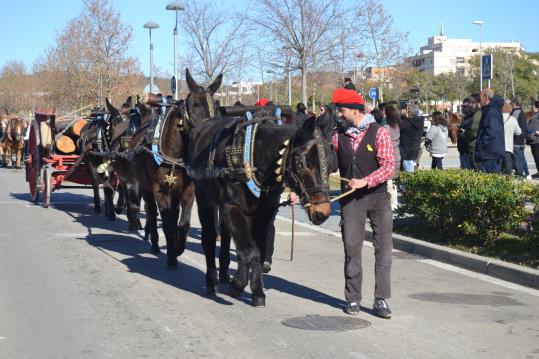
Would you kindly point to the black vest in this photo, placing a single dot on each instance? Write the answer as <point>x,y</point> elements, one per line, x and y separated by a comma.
<point>359,163</point>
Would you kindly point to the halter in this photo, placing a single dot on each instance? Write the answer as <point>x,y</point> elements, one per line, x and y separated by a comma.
<point>299,170</point>
<point>209,99</point>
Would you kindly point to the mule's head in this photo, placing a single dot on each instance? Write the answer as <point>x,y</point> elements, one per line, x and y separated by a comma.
<point>15,129</point>
<point>308,169</point>
<point>199,102</point>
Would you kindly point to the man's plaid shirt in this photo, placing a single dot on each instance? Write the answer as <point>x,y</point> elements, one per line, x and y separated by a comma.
<point>384,153</point>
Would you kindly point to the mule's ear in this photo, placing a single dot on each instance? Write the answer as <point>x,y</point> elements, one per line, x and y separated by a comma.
<point>216,84</point>
<point>112,110</point>
<point>306,131</point>
<point>191,84</point>
<point>128,102</point>
<point>326,122</point>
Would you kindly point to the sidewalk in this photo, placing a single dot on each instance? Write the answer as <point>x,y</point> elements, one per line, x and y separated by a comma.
<point>492,267</point>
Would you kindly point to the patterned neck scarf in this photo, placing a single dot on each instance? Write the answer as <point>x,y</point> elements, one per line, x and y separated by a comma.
<point>354,131</point>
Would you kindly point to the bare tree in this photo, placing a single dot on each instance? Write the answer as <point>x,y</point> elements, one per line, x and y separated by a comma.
<point>382,44</point>
<point>89,60</point>
<point>216,35</point>
<point>303,27</point>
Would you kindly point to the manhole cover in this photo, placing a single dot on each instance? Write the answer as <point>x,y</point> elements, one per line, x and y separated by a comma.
<point>463,298</point>
<point>326,323</point>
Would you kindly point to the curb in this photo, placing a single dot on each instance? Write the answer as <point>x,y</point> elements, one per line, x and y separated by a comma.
<point>492,267</point>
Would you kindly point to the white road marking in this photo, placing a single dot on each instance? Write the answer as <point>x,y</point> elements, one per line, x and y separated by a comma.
<point>481,276</point>
<point>296,233</point>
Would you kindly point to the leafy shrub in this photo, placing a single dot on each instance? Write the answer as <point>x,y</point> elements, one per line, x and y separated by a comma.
<point>466,205</point>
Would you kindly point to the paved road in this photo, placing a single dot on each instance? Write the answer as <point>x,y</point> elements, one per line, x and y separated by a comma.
<point>74,285</point>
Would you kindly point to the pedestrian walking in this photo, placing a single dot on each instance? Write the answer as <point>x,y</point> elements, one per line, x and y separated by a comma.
<point>392,126</point>
<point>463,141</point>
<point>411,128</point>
<point>533,135</point>
<point>365,155</point>
<point>511,130</point>
<point>348,84</point>
<point>436,139</point>
<point>520,163</point>
<point>490,144</point>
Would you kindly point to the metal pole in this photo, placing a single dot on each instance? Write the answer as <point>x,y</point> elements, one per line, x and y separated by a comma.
<point>151,61</point>
<point>480,57</point>
<point>175,67</point>
<point>292,241</point>
<point>289,83</point>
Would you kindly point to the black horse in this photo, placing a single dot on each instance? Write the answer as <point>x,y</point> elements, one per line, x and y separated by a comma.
<point>300,158</point>
<point>158,163</point>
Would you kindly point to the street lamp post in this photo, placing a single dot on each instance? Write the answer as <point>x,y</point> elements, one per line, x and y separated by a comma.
<point>480,24</point>
<point>175,6</point>
<point>271,84</point>
<point>151,25</point>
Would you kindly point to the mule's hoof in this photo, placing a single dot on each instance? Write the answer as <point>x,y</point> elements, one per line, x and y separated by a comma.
<point>212,291</point>
<point>224,279</point>
<point>266,267</point>
<point>233,291</point>
<point>172,265</point>
<point>118,210</point>
<point>155,250</point>
<point>259,302</point>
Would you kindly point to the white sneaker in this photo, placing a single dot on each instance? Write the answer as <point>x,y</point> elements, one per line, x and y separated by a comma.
<point>528,177</point>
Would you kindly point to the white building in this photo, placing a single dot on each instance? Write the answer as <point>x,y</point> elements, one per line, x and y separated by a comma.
<point>444,55</point>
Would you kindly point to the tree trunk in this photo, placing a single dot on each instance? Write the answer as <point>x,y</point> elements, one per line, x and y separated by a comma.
<point>304,81</point>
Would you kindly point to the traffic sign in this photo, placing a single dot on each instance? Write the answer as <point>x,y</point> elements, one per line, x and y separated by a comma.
<point>487,67</point>
<point>173,84</point>
<point>373,93</point>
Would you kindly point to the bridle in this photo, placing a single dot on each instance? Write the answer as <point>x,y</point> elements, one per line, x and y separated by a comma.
<point>298,170</point>
<point>209,99</point>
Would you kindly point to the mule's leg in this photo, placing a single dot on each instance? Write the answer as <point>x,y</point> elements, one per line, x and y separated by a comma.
<point>132,196</point>
<point>186,203</point>
<point>169,208</point>
<point>109,200</point>
<point>9,156</point>
<point>150,228</point>
<point>122,199</point>
<point>94,176</point>
<point>239,226</point>
<point>206,215</point>
<point>224,254</point>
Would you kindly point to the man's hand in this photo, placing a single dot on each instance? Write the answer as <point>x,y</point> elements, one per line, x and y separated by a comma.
<point>357,183</point>
<point>293,198</point>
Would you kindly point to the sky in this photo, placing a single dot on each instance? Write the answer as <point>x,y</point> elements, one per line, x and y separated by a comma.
<point>30,26</point>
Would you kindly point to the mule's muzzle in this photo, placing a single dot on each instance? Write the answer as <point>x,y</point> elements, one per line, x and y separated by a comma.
<point>318,213</point>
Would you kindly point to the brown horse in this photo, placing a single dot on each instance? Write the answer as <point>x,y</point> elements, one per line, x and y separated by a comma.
<point>14,141</point>
<point>453,123</point>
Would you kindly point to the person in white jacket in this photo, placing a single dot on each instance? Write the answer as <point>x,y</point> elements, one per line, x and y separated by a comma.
<point>436,139</point>
<point>510,129</point>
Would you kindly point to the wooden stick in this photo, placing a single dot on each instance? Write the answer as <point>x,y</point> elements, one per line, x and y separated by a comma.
<point>74,112</point>
<point>292,242</point>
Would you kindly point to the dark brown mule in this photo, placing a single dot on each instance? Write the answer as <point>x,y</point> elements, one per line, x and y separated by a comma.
<point>162,179</point>
<point>119,157</point>
<point>94,146</point>
<point>14,141</point>
<point>3,138</point>
<point>453,123</point>
<point>300,158</point>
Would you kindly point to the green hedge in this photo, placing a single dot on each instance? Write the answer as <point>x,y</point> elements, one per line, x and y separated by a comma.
<point>469,206</point>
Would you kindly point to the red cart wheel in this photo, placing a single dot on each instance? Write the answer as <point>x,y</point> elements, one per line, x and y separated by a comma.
<point>33,163</point>
<point>47,185</point>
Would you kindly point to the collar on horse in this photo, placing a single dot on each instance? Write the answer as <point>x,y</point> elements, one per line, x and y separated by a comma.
<point>159,157</point>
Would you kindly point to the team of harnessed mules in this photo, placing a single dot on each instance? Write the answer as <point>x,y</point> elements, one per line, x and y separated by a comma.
<point>237,160</point>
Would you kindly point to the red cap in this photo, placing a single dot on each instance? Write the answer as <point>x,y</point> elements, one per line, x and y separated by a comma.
<point>262,102</point>
<point>347,98</point>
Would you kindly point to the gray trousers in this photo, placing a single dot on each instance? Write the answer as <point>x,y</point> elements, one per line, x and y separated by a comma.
<point>377,207</point>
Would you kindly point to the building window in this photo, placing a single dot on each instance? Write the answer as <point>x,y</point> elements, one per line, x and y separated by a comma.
<point>460,60</point>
